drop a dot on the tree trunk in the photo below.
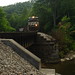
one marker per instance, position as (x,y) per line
(54,20)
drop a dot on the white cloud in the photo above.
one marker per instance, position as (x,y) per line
(8,2)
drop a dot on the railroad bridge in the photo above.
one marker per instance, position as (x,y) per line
(42,45)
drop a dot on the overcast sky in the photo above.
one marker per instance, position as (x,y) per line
(9,2)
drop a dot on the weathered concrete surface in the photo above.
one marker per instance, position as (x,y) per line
(48,71)
(13,64)
(24,53)
(46,36)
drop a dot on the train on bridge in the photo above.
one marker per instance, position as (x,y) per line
(33,25)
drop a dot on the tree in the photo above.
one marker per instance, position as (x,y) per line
(62,34)
(50,6)
(18,14)
(4,24)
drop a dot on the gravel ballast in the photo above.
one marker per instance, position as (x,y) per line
(12,64)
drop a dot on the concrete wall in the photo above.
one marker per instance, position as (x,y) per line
(24,53)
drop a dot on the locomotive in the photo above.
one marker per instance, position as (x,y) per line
(33,24)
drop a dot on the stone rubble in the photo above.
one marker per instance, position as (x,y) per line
(69,56)
(12,64)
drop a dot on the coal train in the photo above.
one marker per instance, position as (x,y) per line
(32,26)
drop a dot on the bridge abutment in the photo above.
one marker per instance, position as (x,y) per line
(42,45)
(45,48)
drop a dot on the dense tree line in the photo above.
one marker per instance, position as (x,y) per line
(56,18)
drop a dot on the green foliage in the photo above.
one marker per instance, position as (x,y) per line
(17,8)
(61,54)
(18,14)
(65,19)
(73,45)
(62,34)
(47,27)
(4,24)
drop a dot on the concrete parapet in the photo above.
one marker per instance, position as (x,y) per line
(48,71)
(24,53)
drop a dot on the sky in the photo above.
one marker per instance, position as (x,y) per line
(9,2)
